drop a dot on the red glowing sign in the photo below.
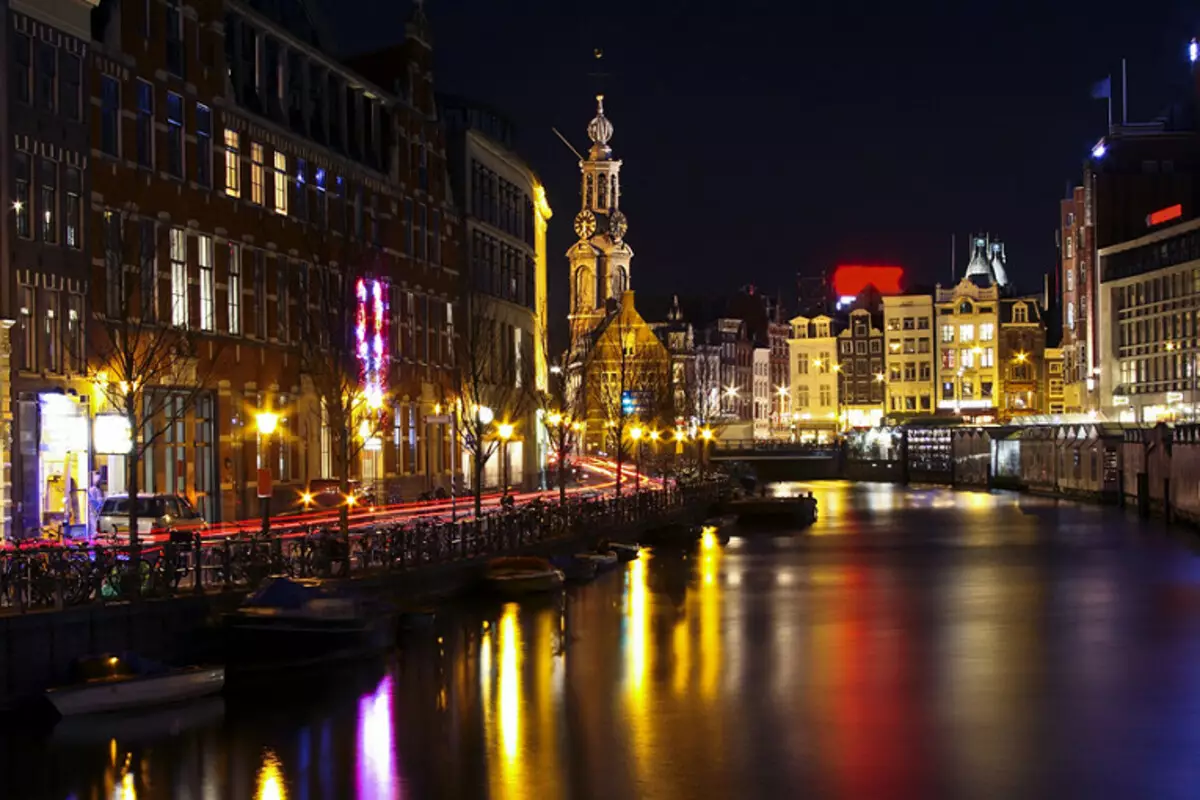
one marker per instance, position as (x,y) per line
(1165,215)
(849,281)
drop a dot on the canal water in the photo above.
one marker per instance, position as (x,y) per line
(915,643)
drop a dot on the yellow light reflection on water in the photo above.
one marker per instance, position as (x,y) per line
(270,778)
(509,699)
(710,622)
(708,538)
(126,790)
(635,609)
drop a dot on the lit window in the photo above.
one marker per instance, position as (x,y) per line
(281,183)
(235,289)
(987,331)
(179,308)
(208,290)
(947,333)
(233,165)
(21,194)
(256,173)
(966,333)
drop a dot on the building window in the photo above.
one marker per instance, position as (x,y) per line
(802,364)
(256,173)
(235,289)
(948,358)
(1020,313)
(435,238)
(110,110)
(825,396)
(179,304)
(148,264)
(281,299)
(281,183)
(48,176)
(947,333)
(233,164)
(322,199)
(23,66)
(52,328)
(175,134)
(28,334)
(208,288)
(987,331)
(72,212)
(145,124)
(69,104)
(204,145)
(47,74)
(260,294)
(301,202)
(968,358)
(75,344)
(926,371)
(988,358)
(175,49)
(114,283)
(408,227)
(21,209)
(966,333)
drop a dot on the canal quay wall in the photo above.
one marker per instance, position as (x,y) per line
(39,646)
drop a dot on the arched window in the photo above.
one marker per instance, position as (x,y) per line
(602,191)
(587,191)
(612,187)
(964,307)
(581,287)
(620,281)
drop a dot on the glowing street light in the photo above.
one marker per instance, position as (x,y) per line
(635,433)
(654,436)
(505,430)
(485,415)
(879,377)
(266,421)
(706,434)
(555,419)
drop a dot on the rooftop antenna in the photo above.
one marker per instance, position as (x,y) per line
(597,54)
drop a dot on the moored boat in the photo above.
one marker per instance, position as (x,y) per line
(120,683)
(300,623)
(522,575)
(575,568)
(625,552)
(603,561)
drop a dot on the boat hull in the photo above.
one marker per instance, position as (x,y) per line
(520,584)
(97,697)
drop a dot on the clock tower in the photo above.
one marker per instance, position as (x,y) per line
(600,259)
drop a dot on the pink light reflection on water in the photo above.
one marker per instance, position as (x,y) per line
(375,760)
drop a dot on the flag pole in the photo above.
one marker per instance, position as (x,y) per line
(1124,96)
(1110,103)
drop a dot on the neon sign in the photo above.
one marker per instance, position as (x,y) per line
(849,281)
(1165,215)
(370,339)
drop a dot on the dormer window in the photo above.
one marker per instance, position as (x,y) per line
(1020,313)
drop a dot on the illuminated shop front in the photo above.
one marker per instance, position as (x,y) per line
(55,461)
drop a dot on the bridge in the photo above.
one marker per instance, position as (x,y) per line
(781,461)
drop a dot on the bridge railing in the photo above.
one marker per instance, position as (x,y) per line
(61,576)
(728,447)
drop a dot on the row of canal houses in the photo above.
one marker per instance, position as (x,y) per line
(1153,468)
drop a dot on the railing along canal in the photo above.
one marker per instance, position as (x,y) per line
(60,576)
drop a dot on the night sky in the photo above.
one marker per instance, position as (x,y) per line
(761,140)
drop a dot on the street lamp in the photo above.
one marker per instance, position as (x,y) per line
(266,421)
(505,431)
(635,433)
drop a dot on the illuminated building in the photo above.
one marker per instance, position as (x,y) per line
(600,260)
(761,383)
(505,214)
(908,323)
(967,323)
(45,434)
(250,181)
(860,355)
(1151,291)
(1077,283)
(1055,388)
(813,379)
(1022,358)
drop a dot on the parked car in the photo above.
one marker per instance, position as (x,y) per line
(156,512)
(323,494)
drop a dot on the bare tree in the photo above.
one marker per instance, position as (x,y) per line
(344,361)
(628,383)
(563,415)
(149,360)
(494,377)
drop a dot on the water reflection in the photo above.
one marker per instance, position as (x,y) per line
(914,643)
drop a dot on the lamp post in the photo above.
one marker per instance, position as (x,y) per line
(266,421)
(635,433)
(505,431)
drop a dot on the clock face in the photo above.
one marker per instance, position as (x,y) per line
(585,224)
(617,225)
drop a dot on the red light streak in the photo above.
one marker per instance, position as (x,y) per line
(1165,215)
